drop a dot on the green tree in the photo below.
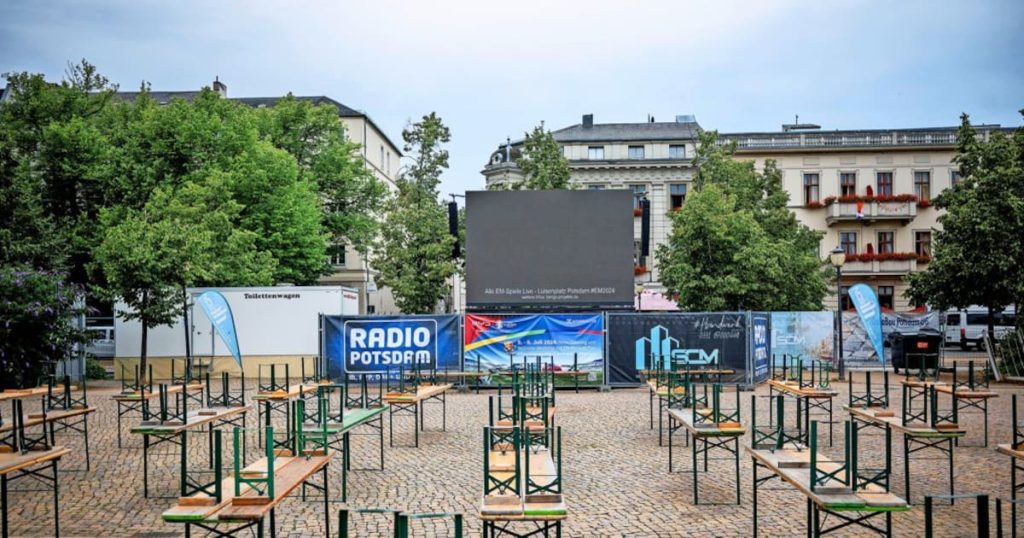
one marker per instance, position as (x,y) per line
(978,255)
(184,236)
(352,198)
(51,160)
(543,162)
(735,246)
(414,255)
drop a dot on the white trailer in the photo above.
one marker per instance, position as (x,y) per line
(274,325)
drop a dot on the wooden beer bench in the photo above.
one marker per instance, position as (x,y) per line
(166,427)
(522,482)
(1015,450)
(134,400)
(711,426)
(658,379)
(41,466)
(252,492)
(405,402)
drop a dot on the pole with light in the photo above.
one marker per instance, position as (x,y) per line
(639,296)
(837,258)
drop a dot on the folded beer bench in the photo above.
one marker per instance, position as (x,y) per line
(522,482)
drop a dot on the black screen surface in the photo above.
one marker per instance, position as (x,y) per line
(549,249)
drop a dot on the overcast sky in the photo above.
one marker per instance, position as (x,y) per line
(494,69)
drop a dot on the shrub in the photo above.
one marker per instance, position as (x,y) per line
(38,310)
(94,370)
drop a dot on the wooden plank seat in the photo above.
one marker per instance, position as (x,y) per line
(15,394)
(35,419)
(793,467)
(887,417)
(531,424)
(194,419)
(294,391)
(136,396)
(509,507)
(712,429)
(423,392)
(289,473)
(1010,450)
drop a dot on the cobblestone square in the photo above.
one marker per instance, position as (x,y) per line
(616,476)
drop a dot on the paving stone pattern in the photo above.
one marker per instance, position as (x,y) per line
(616,477)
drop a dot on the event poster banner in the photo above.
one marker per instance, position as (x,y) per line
(804,334)
(700,339)
(858,350)
(490,339)
(760,348)
(377,344)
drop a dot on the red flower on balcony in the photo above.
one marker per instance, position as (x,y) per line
(924,203)
(639,270)
(923,258)
(637,212)
(814,204)
(829,200)
(883,256)
(854,198)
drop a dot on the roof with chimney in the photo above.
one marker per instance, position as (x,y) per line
(684,128)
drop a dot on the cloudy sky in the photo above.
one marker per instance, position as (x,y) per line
(495,69)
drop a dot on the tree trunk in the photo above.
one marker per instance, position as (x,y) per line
(145,330)
(188,331)
(991,325)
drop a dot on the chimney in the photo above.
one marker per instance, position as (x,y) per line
(686,118)
(588,121)
(220,87)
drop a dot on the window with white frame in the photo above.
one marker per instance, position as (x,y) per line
(336,253)
(677,151)
(677,195)
(636,152)
(639,192)
(923,184)
(595,152)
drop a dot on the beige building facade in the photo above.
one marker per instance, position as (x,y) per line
(867,191)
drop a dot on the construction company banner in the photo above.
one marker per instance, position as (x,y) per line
(804,334)
(700,339)
(492,342)
(858,350)
(377,344)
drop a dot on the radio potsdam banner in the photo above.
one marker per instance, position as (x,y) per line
(376,344)
(491,339)
(699,339)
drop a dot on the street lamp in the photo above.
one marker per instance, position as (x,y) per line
(837,258)
(639,296)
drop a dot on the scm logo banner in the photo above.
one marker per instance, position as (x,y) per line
(375,345)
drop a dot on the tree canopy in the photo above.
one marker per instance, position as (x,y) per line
(735,245)
(414,255)
(978,254)
(543,162)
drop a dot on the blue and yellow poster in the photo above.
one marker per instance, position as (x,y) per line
(491,342)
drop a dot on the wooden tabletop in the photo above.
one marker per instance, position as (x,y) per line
(194,419)
(136,396)
(16,394)
(35,419)
(1009,451)
(293,392)
(422,393)
(888,417)
(710,429)
(966,393)
(351,419)
(793,467)
(16,461)
(793,387)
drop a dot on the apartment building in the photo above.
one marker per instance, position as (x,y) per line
(868,191)
(379,154)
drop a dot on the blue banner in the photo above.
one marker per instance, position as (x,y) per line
(760,346)
(219,312)
(870,313)
(492,341)
(377,344)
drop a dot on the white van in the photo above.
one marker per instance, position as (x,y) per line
(967,327)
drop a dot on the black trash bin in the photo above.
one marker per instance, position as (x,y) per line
(914,350)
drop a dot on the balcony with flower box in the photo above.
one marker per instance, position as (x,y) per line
(887,263)
(869,209)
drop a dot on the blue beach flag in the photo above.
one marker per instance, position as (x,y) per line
(219,312)
(870,313)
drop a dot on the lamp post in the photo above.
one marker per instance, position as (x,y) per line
(837,258)
(639,296)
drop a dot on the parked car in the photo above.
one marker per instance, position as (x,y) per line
(101,342)
(968,327)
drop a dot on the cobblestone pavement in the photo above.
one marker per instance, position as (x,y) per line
(616,479)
